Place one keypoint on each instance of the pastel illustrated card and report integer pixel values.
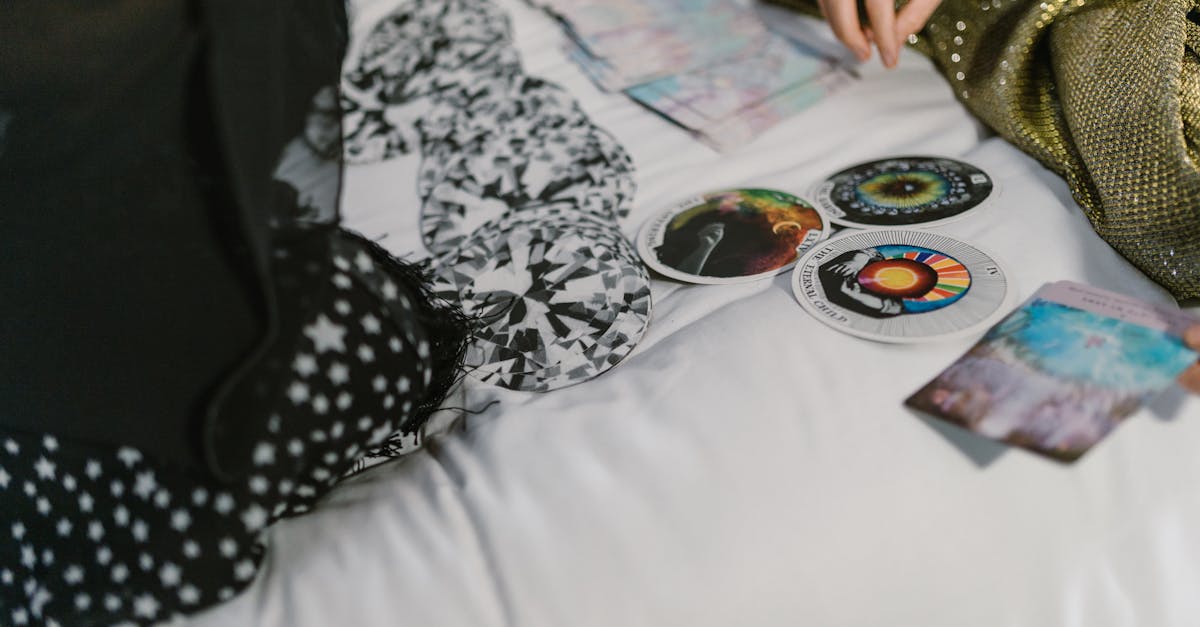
(626, 57)
(588, 19)
(1062, 371)
(732, 101)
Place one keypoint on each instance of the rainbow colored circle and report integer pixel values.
(903, 190)
(924, 279)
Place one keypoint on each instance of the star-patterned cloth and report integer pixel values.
(98, 535)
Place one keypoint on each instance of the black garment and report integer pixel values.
(137, 157)
(96, 535)
(190, 348)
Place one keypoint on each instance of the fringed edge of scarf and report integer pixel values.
(448, 329)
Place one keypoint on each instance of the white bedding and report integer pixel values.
(748, 465)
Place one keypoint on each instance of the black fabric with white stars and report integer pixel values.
(94, 535)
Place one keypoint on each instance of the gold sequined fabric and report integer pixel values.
(1104, 92)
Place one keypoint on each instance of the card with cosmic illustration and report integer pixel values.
(589, 18)
(917, 191)
(730, 236)
(1062, 371)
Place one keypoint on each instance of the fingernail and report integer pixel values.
(863, 53)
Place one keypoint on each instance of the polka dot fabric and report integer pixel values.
(92, 535)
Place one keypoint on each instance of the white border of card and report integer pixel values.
(990, 295)
(1060, 397)
(820, 193)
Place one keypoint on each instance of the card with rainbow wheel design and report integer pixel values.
(902, 285)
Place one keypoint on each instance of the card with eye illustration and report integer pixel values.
(905, 191)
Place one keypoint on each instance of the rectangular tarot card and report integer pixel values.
(1062, 371)
(632, 56)
(592, 18)
(729, 103)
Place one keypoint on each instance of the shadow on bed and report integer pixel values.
(978, 449)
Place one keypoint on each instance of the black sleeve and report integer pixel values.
(140, 142)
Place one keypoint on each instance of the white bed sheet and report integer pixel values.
(747, 465)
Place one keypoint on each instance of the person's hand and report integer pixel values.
(1190, 379)
(886, 27)
(711, 234)
(853, 266)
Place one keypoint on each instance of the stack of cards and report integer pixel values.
(622, 43)
(731, 102)
(520, 193)
(1063, 370)
(710, 66)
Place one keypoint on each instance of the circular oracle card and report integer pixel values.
(731, 236)
(558, 302)
(377, 127)
(421, 53)
(902, 285)
(521, 106)
(483, 181)
(903, 191)
(418, 48)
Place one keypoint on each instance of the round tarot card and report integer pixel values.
(483, 180)
(731, 236)
(560, 302)
(902, 286)
(903, 191)
(423, 52)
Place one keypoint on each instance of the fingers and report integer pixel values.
(1190, 379)
(882, 14)
(888, 29)
(1192, 337)
(843, 18)
(913, 16)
